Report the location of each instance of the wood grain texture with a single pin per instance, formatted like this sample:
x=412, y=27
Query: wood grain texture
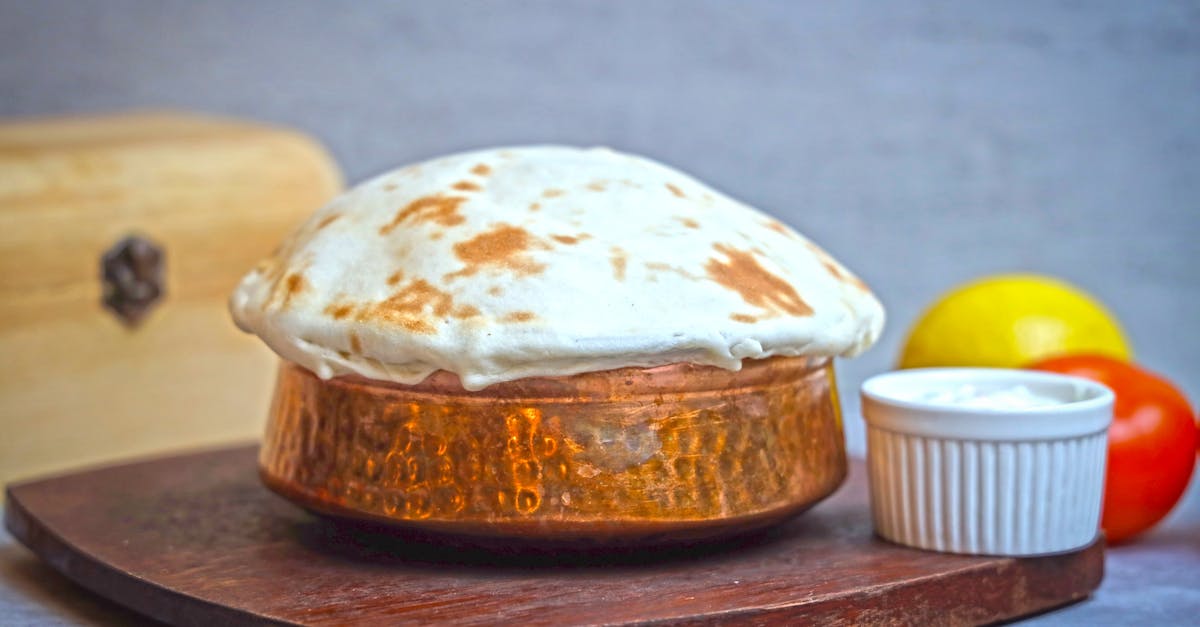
x=75, y=385
x=196, y=540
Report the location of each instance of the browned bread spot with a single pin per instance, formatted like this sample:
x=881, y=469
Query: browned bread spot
x=274, y=267
x=339, y=311
x=742, y=273
x=505, y=247
x=535, y=206
x=844, y=277
x=436, y=208
x=467, y=186
x=778, y=227
x=466, y=311
x=570, y=239
x=675, y=190
x=407, y=307
x=481, y=170
x=495, y=290
x=832, y=268
x=520, y=316
x=327, y=220
x=291, y=286
x=552, y=192
x=658, y=266
x=618, y=260
x=689, y=223
x=743, y=318
x=355, y=344
x=395, y=277
x=597, y=186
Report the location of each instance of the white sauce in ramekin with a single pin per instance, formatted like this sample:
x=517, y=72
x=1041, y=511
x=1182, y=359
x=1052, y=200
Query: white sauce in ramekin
x=970, y=395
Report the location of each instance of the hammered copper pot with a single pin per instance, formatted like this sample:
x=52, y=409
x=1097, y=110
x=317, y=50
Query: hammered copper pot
x=621, y=456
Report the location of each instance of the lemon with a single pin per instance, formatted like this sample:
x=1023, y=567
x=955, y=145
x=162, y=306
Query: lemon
x=1009, y=321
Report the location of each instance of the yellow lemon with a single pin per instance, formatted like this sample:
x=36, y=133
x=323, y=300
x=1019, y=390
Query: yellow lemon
x=1010, y=320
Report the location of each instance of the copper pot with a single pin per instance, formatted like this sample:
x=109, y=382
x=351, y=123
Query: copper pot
x=620, y=456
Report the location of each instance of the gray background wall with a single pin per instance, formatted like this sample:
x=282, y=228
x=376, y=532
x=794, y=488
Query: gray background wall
x=924, y=143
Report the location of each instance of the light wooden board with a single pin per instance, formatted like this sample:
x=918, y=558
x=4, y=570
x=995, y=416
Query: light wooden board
x=76, y=386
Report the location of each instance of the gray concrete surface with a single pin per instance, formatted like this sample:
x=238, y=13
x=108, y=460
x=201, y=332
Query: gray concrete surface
x=923, y=143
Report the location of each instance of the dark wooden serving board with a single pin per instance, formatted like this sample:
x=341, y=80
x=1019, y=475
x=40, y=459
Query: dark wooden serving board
x=196, y=540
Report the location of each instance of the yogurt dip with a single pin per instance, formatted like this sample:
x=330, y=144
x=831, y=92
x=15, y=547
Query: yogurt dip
x=986, y=460
x=980, y=397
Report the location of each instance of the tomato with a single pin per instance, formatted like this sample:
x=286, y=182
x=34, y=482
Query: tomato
x=1151, y=444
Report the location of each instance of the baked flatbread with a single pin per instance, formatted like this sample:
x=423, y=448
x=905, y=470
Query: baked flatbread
x=546, y=261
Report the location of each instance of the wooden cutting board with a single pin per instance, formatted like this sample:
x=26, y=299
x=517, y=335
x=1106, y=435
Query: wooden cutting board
x=196, y=540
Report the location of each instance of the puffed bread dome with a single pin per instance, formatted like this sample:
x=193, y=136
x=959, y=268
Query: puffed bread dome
x=546, y=261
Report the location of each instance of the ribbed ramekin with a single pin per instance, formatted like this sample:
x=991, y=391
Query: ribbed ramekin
x=991, y=481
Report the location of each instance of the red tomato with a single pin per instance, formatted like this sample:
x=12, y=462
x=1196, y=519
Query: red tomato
x=1151, y=444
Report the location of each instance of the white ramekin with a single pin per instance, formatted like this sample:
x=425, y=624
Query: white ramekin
x=980, y=480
